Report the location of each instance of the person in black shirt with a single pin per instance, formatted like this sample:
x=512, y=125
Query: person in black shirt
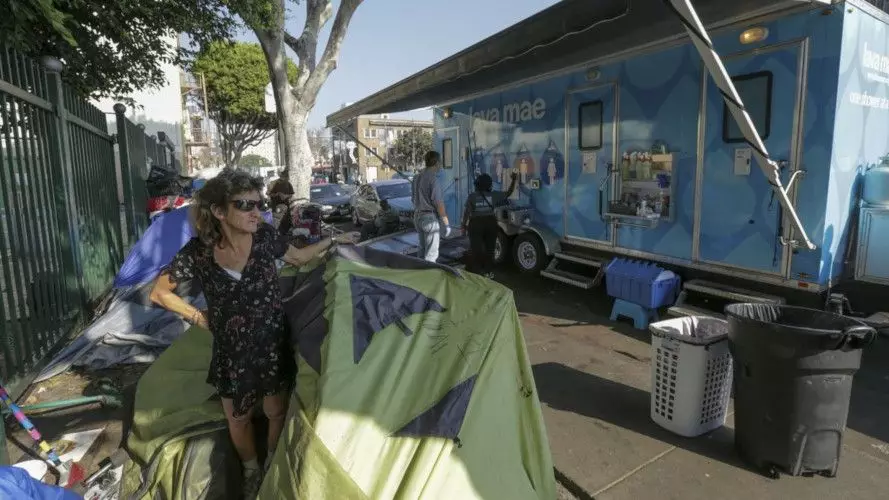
x=233, y=257
x=480, y=221
x=280, y=190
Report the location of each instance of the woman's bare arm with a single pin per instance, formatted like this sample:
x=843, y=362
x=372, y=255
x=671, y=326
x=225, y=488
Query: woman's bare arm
x=163, y=294
x=511, y=185
x=299, y=256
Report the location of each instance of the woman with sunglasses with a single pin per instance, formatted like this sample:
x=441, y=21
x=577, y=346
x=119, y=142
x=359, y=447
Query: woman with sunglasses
x=233, y=258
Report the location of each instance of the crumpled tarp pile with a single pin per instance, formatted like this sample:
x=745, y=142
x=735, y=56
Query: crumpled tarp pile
x=132, y=330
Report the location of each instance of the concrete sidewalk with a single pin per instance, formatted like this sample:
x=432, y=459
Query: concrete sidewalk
x=593, y=379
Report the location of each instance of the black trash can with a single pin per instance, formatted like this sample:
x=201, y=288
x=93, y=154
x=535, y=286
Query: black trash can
x=793, y=381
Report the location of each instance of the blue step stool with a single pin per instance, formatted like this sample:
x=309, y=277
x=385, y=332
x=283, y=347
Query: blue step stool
x=640, y=315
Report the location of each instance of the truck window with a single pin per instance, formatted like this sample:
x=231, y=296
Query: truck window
x=447, y=157
x=590, y=125
x=755, y=90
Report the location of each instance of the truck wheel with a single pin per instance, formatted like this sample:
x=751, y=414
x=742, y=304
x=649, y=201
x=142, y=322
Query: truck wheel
x=501, y=247
x=528, y=253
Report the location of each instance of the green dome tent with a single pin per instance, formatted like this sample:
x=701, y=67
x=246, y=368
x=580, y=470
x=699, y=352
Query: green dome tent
x=414, y=382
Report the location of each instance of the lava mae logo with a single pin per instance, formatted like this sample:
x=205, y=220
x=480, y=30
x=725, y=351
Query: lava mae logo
x=874, y=60
x=516, y=112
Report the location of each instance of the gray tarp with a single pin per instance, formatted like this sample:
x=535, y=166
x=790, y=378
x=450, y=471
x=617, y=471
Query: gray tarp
x=131, y=331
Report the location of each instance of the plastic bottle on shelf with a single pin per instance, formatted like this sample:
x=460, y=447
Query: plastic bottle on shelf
x=625, y=166
x=634, y=165
x=645, y=173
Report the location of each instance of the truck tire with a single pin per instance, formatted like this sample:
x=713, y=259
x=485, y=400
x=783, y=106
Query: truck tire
x=501, y=248
x=528, y=253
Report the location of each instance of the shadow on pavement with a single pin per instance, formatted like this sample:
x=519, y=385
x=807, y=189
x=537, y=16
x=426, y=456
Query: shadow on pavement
x=567, y=389
x=568, y=306
x=869, y=411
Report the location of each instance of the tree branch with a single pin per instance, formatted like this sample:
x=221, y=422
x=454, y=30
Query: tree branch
x=318, y=13
x=331, y=53
x=238, y=134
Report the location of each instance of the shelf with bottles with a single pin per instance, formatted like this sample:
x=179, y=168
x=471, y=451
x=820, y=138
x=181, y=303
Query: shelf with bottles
x=645, y=189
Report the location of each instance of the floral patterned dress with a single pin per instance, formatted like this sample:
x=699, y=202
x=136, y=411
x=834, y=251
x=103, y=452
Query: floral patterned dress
x=251, y=357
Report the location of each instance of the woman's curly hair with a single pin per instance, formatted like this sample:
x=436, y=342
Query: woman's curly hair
x=219, y=192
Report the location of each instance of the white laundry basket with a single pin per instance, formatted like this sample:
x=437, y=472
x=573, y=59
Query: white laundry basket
x=691, y=374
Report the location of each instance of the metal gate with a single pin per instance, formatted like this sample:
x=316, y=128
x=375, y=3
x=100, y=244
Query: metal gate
x=60, y=213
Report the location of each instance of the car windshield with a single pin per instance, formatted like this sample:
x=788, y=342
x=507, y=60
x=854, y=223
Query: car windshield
x=326, y=191
x=397, y=190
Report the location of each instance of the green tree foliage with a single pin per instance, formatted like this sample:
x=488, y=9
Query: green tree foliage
x=235, y=75
x=254, y=162
x=410, y=147
x=112, y=47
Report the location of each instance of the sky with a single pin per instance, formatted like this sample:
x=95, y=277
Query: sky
x=389, y=40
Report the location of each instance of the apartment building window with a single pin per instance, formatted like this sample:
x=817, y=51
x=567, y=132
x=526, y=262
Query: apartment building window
x=370, y=133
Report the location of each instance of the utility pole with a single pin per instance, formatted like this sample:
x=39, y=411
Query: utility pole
x=413, y=149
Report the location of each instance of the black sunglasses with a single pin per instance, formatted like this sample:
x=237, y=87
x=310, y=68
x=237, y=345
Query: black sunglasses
x=249, y=205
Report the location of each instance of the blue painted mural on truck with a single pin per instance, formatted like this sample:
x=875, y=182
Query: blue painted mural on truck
x=789, y=82
x=861, y=137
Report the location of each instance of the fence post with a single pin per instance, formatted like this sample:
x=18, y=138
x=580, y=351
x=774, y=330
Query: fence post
x=123, y=149
x=162, y=147
x=64, y=190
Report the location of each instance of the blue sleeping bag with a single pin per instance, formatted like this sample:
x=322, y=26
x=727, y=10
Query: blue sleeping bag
x=16, y=484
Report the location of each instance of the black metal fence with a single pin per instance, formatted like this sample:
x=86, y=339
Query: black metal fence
x=62, y=234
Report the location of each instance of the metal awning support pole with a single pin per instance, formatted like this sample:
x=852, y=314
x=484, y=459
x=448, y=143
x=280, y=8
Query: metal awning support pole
x=383, y=160
x=770, y=168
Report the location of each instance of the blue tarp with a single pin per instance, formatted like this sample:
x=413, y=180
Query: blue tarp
x=16, y=484
x=166, y=235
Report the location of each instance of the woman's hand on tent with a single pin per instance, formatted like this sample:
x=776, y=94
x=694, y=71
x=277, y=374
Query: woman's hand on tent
x=349, y=238
x=298, y=256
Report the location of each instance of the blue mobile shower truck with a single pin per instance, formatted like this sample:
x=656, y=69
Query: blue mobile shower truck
x=762, y=190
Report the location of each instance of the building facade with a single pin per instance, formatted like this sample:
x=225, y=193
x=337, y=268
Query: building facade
x=199, y=134
x=157, y=109
x=377, y=135
x=268, y=148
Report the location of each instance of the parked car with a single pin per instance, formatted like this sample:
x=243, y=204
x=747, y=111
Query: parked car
x=366, y=199
x=335, y=201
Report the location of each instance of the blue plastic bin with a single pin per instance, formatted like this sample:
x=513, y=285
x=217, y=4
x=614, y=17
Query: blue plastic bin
x=641, y=283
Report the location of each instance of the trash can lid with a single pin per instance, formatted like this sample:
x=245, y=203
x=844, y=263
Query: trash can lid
x=697, y=330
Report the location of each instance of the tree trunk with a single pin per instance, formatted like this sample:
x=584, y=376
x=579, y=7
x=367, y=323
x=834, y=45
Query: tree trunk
x=294, y=103
x=236, y=157
x=298, y=154
x=227, y=153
